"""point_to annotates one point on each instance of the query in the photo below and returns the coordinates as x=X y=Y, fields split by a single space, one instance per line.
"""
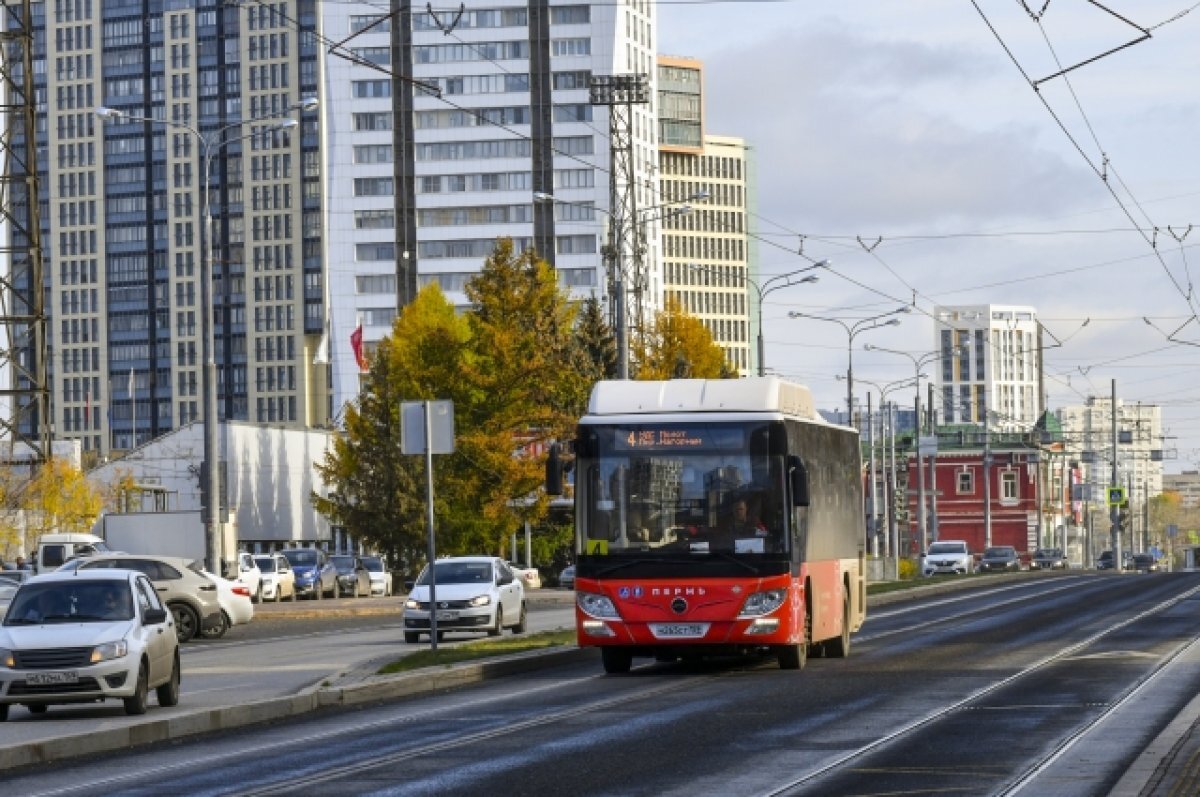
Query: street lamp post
x=620 y=312
x=210 y=146
x=891 y=543
x=919 y=361
x=852 y=331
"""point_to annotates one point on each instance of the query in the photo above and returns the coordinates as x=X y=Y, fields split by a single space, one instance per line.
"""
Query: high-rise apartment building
x=705 y=251
x=192 y=90
x=993 y=373
x=1088 y=439
x=424 y=174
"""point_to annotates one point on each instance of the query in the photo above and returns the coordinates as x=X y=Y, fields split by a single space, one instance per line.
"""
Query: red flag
x=356 y=344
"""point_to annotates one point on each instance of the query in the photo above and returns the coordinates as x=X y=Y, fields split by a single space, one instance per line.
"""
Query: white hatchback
x=473 y=593
x=85 y=637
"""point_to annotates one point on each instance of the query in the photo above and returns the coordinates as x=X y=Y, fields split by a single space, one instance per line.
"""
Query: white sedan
x=278 y=580
x=381 y=577
x=236 y=605
x=87 y=636
x=474 y=593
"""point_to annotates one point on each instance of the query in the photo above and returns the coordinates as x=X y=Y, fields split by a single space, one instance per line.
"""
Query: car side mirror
x=155 y=616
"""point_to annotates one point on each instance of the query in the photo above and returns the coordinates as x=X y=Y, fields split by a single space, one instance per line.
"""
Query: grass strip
x=483 y=649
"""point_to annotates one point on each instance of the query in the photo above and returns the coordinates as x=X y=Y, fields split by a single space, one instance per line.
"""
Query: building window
x=1008 y=487
x=965 y=482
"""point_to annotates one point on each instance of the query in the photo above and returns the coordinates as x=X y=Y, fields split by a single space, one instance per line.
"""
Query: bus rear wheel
x=839 y=648
x=794 y=657
x=617 y=661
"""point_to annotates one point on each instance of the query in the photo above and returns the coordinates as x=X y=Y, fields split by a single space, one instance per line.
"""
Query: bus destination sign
x=677 y=438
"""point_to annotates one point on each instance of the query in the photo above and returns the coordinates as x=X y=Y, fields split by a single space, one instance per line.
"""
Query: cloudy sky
x=915 y=128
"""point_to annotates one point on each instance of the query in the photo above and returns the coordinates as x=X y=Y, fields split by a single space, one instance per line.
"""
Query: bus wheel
x=839 y=648
x=794 y=657
x=616 y=660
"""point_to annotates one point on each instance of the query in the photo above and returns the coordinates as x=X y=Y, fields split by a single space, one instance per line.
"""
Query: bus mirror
x=554 y=472
x=799 y=479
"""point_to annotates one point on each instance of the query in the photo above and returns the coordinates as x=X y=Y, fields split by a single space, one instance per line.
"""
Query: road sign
x=1116 y=496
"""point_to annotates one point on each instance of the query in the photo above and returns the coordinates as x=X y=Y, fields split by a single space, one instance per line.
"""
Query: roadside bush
x=908 y=569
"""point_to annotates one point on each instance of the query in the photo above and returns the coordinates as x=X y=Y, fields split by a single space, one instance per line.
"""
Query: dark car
x=353 y=578
x=316 y=577
x=1144 y=563
x=1000 y=558
x=1105 y=560
x=1048 y=559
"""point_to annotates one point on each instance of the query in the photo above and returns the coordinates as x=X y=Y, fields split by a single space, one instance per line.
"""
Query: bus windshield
x=692 y=488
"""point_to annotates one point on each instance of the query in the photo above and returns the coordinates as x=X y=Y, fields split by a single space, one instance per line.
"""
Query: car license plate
x=51 y=678
x=679 y=630
x=447 y=615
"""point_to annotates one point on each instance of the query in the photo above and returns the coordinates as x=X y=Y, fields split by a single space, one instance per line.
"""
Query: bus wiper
x=727 y=556
x=626 y=563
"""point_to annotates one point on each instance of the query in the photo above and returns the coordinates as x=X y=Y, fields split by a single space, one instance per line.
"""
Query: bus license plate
x=51 y=678
x=679 y=630
x=447 y=615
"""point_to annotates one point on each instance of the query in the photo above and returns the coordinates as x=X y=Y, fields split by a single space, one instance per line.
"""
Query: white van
x=55 y=549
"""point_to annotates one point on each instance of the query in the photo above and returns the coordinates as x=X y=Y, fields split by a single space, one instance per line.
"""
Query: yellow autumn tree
x=59 y=498
x=679 y=346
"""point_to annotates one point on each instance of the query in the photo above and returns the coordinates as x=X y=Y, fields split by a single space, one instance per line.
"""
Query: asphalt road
x=1042 y=686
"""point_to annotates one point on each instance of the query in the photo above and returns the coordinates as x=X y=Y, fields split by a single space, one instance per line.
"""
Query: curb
x=384 y=687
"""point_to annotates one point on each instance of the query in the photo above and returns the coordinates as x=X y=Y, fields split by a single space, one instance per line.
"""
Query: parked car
x=15 y=576
x=1144 y=563
x=566 y=578
x=948 y=556
x=187 y=592
x=1002 y=558
x=316 y=577
x=530 y=577
x=474 y=593
x=88 y=636
x=249 y=574
x=236 y=605
x=1048 y=559
x=381 y=577
x=353 y=578
x=278 y=580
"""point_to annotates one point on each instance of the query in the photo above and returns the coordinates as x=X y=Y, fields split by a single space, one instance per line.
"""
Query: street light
x=852 y=331
x=919 y=361
x=210 y=145
x=619 y=310
x=765 y=289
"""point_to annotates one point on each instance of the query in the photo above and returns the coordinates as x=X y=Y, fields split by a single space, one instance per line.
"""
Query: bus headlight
x=759 y=603
x=596 y=605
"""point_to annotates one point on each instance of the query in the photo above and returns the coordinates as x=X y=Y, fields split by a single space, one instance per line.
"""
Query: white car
x=278 y=580
x=473 y=593
x=249 y=574
x=948 y=556
x=381 y=577
x=530 y=577
x=236 y=606
x=86 y=636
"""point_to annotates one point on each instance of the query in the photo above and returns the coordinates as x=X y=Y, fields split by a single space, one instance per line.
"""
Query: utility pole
x=1114 y=512
x=987 y=478
x=922 y=527
x=874 y=480
x=619 y=93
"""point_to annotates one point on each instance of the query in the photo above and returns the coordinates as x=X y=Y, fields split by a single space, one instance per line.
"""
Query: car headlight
x=596 y=605
x=760 y=603
x=7 y=659
x=480 y=600
x=109 y=650
x=412 y=603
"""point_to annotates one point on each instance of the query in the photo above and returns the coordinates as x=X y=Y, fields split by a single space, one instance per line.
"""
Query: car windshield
x=70 y=602
x=344 y=564
x=947 y=547
x=998 y=552
x=265 y=564
x=374 y=564
x=301 y=558
x=459 y=573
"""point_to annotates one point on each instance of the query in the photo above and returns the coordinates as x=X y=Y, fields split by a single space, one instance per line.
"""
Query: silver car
x=87 y=636
x=473 y=593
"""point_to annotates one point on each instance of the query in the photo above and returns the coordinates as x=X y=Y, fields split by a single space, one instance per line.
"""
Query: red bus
x=716 y=517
